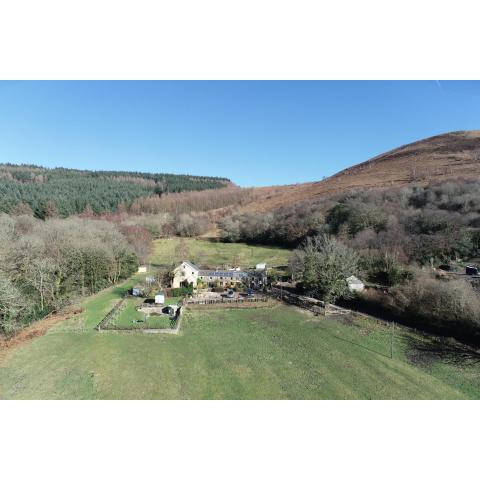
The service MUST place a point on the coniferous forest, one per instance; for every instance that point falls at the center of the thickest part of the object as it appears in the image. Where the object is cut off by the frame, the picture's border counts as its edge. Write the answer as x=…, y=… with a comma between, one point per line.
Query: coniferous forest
x=44, y=192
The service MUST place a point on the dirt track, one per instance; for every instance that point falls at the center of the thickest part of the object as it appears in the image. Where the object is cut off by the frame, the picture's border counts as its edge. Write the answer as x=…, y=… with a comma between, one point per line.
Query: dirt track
x=36, y=329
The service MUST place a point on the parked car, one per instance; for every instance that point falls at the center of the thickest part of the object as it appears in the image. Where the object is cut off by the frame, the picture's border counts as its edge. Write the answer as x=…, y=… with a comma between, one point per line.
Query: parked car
x=446, y=268
x=471, y=270
x=230, y=293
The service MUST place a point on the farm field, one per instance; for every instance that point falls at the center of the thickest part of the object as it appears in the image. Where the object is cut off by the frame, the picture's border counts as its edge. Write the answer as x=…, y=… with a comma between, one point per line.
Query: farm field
x=274, y=353
x=210, y=253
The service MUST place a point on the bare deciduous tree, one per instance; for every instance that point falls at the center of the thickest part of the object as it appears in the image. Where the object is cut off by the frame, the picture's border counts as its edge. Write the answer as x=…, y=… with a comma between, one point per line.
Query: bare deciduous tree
x=326, y=265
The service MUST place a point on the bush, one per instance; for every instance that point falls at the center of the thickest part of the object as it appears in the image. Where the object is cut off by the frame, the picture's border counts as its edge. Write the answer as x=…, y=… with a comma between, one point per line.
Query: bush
x=449, y=305
x=383, y=267
x=182, y=291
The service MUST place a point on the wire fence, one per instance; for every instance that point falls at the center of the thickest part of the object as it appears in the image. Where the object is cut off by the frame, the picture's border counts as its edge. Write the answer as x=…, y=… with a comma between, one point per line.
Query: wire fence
x=316, y=306
x=213, y=301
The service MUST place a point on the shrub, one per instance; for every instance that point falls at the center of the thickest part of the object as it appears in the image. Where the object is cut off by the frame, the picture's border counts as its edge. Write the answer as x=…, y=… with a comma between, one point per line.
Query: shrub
x=383, y=267
x=182, y=291
x=452, y=305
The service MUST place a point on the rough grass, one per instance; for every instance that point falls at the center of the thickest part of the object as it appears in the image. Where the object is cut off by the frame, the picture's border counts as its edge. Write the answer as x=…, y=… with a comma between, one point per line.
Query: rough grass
x=278, y=352
x=211, y=253
x=172, y=300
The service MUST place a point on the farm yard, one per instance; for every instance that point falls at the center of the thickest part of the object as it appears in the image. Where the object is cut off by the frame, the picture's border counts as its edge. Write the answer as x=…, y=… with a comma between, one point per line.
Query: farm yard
x=278, y=352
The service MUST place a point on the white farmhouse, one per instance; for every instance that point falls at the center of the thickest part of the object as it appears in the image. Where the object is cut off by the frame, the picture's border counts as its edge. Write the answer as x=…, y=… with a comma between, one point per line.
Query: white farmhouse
x=355, y=284
x=185, y=274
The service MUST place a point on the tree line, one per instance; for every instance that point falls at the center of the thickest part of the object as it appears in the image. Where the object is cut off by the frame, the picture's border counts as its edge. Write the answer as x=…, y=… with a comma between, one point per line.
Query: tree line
x=47, y=264
x=63, y=192
x=193, y=201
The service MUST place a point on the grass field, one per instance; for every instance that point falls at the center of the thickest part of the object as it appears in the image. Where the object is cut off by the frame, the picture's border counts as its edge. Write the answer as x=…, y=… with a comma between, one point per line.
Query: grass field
x=278, y=352
x=208, y=253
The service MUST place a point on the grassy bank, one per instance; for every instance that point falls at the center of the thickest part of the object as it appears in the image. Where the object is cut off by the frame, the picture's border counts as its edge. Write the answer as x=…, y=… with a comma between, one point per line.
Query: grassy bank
x=204, y=252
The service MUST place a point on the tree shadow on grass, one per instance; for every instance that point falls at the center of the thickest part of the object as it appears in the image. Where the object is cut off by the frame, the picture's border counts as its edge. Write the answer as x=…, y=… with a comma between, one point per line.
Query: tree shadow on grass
x=359, y=345
x=119, y=290
x=426, y=351
x=350, y=322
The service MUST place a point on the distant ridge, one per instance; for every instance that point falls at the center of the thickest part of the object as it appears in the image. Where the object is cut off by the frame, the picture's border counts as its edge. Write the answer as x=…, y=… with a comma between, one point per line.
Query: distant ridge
x=450, y=155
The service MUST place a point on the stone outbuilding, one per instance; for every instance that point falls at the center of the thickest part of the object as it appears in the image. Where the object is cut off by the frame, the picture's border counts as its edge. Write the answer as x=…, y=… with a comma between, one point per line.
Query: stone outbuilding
x=355, y=284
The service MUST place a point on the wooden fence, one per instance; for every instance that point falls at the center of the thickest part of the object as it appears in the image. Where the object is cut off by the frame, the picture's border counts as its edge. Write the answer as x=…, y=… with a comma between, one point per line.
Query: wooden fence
x=308, y=303
x=105, y=323
x=228, y=302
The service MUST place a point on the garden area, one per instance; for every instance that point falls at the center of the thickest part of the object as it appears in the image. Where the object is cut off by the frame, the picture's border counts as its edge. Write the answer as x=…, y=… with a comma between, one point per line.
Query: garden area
x=127, y=316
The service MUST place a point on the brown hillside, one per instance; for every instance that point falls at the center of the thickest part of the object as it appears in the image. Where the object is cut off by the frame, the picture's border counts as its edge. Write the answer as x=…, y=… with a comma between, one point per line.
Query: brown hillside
x=451, y=155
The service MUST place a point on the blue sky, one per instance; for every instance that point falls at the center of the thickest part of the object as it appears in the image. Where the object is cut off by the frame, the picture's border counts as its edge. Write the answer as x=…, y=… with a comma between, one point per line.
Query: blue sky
x=255, y=133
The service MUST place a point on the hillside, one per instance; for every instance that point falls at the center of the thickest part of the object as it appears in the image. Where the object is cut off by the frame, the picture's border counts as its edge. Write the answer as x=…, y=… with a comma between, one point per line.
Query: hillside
x=451, y=155
x=62, y=191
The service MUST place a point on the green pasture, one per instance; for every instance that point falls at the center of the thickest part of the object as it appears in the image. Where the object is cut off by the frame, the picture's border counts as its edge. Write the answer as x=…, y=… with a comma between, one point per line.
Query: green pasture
x=268, y=353
x=168, y=251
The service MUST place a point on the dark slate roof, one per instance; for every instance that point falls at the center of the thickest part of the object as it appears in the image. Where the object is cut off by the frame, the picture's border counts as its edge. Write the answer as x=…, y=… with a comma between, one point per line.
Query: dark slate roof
x=222, y=273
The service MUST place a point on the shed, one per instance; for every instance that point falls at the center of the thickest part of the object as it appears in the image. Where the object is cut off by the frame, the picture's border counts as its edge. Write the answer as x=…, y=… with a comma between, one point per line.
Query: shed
x=260, y=266
x=160, y=298
x=136, y=292
x=355, y=284
x=142, y=269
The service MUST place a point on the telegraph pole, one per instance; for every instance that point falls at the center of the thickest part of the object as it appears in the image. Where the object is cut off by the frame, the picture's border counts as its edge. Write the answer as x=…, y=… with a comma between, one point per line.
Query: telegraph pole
x=391, y=339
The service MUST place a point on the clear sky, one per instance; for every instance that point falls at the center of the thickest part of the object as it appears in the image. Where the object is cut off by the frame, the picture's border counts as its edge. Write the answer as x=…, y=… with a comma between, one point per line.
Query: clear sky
x=255, y=133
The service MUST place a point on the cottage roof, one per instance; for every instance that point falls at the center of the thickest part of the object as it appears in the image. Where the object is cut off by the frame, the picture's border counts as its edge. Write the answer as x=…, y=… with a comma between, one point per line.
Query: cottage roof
x=190, y=264
x=222, y=273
